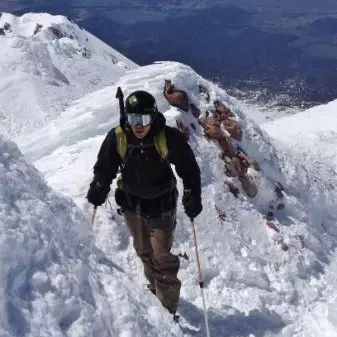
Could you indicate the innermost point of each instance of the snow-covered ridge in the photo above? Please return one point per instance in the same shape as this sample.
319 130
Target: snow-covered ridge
46 27
26 24
252 286
47 62
54 285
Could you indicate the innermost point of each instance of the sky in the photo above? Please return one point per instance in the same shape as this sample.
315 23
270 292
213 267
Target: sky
69 277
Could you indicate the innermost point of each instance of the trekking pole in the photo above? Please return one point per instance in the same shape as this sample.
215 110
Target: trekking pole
94 215
201 283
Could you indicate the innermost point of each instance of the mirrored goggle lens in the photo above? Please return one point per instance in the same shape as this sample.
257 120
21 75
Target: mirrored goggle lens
137 119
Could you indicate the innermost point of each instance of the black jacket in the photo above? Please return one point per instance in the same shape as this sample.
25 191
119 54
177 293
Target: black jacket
148 180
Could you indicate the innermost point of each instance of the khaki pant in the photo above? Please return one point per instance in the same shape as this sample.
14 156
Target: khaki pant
152 240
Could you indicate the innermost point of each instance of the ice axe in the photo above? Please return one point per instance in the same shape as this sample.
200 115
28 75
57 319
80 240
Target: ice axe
120 97
201 283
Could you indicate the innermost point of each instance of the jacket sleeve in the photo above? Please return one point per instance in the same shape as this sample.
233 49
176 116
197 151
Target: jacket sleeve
182 157
108 160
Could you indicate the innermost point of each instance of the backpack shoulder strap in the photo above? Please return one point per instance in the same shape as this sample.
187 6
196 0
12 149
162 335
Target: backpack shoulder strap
121 142
161 144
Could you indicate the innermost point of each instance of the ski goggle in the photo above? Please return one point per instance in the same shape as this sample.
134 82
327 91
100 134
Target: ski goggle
139 119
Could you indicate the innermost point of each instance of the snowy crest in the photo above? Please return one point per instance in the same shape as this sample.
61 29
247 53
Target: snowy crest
42 239
264 258
53 281
268 258
46 62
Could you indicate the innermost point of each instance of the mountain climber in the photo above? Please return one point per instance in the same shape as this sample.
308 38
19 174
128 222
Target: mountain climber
143 147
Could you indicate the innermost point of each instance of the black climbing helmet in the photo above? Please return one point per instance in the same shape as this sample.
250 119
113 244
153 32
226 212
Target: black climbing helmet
140 102
140 108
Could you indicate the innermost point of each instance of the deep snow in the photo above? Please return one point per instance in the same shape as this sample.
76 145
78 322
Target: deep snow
253 287
67 278
53 280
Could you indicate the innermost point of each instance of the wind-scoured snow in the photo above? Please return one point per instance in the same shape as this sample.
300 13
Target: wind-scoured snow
47 62
308 140
53 280
252 286
61 275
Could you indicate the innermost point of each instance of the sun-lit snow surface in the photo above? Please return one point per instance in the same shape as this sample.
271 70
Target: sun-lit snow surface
46 63
309 141
253 288
53 280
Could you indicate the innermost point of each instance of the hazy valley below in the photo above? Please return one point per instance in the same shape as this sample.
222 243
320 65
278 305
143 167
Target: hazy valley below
261 49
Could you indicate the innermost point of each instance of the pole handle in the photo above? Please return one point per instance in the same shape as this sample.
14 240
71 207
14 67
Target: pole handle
94 215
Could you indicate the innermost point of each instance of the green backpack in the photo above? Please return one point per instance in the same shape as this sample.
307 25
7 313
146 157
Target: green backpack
122 144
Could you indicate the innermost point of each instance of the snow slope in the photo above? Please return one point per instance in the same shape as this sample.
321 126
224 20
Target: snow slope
53 280
47 62
253 288
308 140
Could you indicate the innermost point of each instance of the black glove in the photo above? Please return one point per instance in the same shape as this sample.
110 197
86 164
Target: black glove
121 199
192 204
97 193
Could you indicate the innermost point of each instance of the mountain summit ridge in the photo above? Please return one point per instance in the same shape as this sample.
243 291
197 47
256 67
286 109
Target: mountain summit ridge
47 62
63 275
